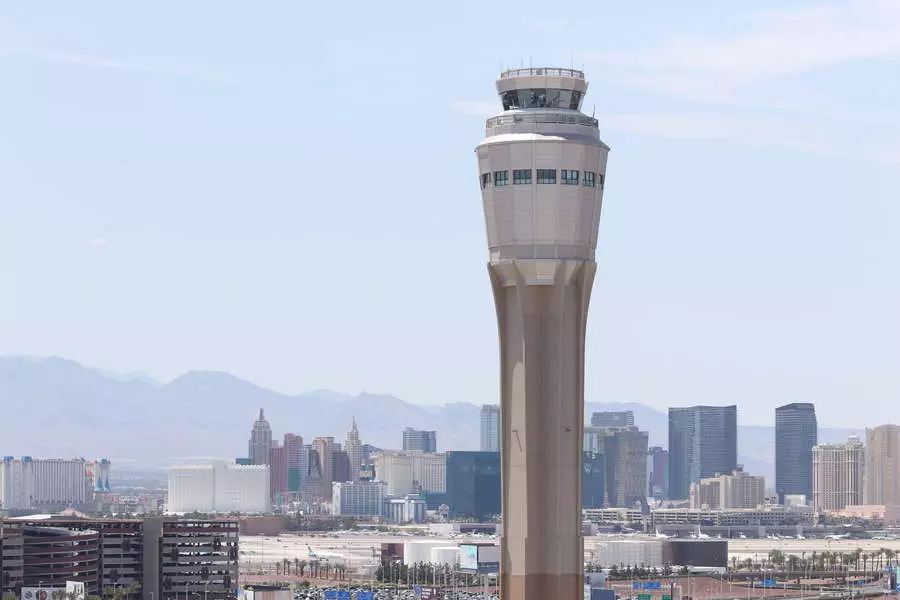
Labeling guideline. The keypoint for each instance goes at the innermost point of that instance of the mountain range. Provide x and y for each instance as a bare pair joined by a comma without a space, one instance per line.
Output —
54,407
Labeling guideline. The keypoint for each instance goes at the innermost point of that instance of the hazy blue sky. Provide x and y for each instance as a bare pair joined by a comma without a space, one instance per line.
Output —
287,191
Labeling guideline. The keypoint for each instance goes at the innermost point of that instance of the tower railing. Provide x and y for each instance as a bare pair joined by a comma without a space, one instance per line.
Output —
570,118
542,71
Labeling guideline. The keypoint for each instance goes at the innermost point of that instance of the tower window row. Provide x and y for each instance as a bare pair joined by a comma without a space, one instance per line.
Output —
543,176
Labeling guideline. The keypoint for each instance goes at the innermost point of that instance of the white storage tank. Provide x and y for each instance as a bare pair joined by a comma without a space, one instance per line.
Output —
444,555
420,551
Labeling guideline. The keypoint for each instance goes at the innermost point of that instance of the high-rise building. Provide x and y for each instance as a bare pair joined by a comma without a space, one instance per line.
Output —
219,486
727,492
411,472
702,443
490,428
473,484
416,440
358,498
340,468
542,169
52,483
623,451
838,471
593,481
311,488
293,447
613,418
882,473
796,432
625,458
260,441
278,472
353,448
659,472
325,446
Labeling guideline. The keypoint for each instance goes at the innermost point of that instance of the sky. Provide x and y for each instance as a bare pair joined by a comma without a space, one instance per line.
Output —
288,192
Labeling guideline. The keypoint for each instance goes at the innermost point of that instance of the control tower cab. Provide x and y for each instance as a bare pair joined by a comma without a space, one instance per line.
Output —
542,168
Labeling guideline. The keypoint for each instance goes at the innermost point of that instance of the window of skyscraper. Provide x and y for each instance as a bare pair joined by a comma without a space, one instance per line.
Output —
569,177
501,177
522,177
485,180
546,175
589,179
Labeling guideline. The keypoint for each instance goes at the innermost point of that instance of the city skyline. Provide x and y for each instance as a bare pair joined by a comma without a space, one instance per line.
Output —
169,185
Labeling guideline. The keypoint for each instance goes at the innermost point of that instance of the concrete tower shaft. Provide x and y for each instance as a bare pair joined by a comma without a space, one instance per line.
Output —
542,168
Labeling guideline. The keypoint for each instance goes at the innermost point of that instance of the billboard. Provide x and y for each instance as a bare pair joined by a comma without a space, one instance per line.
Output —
75,590
468,557
479,558
43,593
489,558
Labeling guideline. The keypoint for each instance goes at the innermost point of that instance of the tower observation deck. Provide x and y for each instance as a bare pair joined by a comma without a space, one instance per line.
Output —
541,170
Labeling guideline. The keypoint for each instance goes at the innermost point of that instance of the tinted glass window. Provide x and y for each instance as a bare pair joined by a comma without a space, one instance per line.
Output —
589,179
546,175
485,180
569,177
521,176
501,177
575,100
540,98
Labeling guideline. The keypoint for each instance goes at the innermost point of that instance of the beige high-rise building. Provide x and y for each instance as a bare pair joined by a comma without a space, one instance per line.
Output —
882,476
624,451
353,448
742,490
325,446
726,492
541,169
411,472
838,474
706,494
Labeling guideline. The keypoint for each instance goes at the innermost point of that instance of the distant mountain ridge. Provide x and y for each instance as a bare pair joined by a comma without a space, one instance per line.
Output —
56,407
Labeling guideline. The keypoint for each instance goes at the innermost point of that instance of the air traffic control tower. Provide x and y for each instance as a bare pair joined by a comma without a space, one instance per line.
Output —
541,169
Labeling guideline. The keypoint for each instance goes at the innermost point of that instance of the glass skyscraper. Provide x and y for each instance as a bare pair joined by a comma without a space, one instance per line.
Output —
473,484
490,428
702,443
417,440
796,432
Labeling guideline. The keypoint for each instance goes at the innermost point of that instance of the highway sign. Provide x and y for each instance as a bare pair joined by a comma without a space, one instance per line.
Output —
645,585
